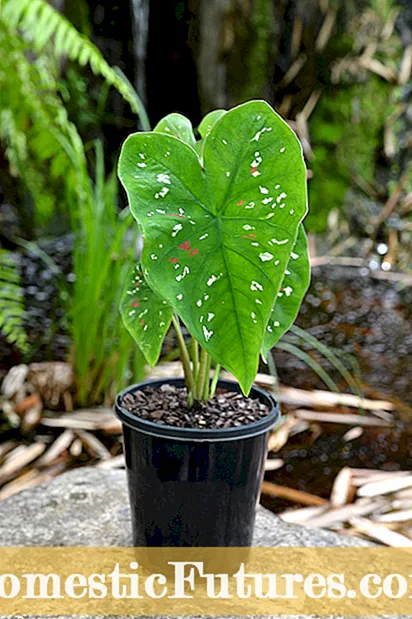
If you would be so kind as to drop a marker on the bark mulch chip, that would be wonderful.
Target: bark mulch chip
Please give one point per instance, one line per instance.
(167, 406)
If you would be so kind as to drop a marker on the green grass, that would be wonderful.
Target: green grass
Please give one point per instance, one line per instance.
(313, 353)
(105, 358)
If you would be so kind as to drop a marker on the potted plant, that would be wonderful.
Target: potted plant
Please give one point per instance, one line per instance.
(224, 252)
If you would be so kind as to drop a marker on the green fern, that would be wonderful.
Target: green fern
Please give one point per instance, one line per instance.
(12, 311)
(33, 128)
(42, 25)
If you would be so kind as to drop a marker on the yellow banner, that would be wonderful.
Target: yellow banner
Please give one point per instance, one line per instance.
(205, 581)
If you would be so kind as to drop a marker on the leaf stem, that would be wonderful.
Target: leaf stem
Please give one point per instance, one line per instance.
(195, 359)
(190, 383)
(206, 385)
(215, 380)
(204, 361)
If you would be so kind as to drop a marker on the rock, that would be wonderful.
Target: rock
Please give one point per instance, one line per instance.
(86, 506)
(90, 507)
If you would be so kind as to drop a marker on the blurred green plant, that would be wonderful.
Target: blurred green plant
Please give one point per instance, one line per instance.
(349, 124)
(104, 355)
(44, 29)
(54, 171)
(302, 344)
(347, 129)
(43, 147)
(11, 301)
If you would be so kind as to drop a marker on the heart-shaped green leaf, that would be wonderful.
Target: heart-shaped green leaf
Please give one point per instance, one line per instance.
(209, 122)
(145, 315)
(293, 289)
(206, 127)
(218, 238)
(177, 126)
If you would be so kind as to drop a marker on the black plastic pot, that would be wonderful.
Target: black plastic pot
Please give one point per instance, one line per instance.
(191, 487)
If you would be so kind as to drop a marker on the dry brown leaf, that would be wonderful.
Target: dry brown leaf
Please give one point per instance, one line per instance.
(326, 30)
(280, 436)
(311, 104)
(301, 515)
(406, 66)
(32, 417)
(299, 397)
(352, 434)
(342, 488)
(318, 397)
(296, 38)
(6, 447)
(302, 131)
(113, 463)
(112, 426)
(60, 445)
(93, 445)
(376, 472)
(375, 66)
(30, 480)
(100, 418)
(402, 504)
(342, 514)
(380, 533)
(76, 448)
(293, 70)
(273, 464)
(29, 402)
(21, 483)
(386, 486)
(343, 418)
(51, 379)
(172, 369)
(404, 494)
(19, 458)
(14, 380)
(359, 480)
(297, 496)
(399, 516)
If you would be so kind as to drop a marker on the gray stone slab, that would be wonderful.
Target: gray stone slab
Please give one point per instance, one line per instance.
(89, 507)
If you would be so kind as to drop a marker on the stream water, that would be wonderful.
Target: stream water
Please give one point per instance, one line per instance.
(354, 311)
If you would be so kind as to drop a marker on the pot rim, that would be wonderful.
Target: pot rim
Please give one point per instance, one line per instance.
(194, 434)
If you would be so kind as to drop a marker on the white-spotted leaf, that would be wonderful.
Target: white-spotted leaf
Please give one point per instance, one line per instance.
(290, 295)
(177, 126)
(206, 127)
(146, 316)
(209, 121)
(218, 235)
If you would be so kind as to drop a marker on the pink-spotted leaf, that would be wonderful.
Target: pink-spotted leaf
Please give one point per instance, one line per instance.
(145, 315)
(218, 235)
(290, 295)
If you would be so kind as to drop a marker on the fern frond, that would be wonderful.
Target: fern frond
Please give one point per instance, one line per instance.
(43, 147)
(12, 310)
(43, 25)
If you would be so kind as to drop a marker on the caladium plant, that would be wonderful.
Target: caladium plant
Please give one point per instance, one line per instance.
(224, 246)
